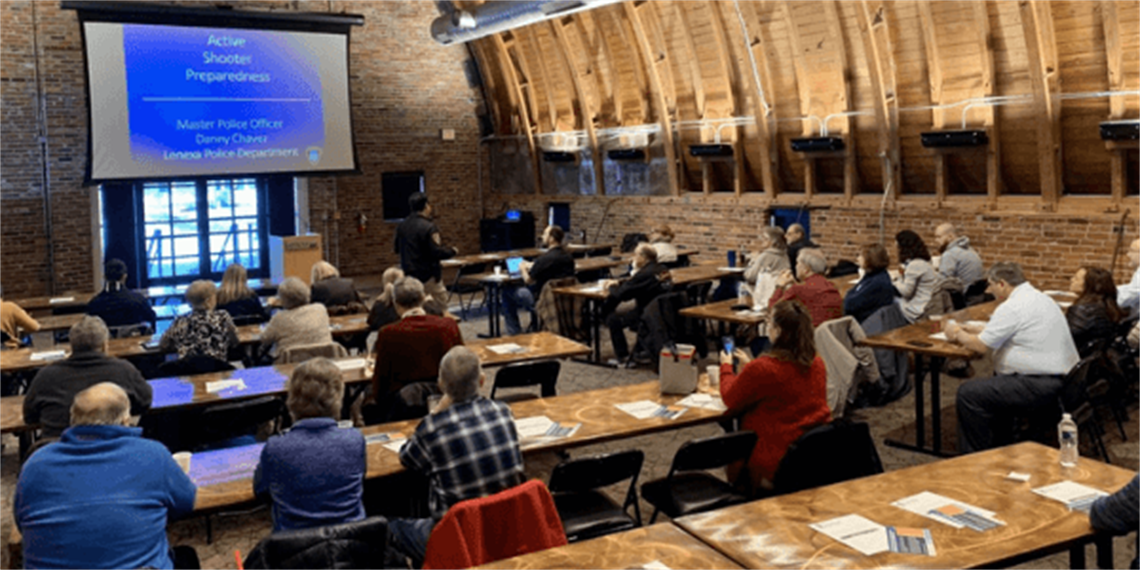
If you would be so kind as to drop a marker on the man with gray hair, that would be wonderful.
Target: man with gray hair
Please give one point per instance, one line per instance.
(1033, 351)
(467, 448)
(958, 259)
(101, 496)
(49, 397)
(819, 295)
(408, 353)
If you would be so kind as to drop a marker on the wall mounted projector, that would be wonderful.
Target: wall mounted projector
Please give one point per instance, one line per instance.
(818, 144)
(626, 154)
(1120, 130)
(710, 150)
(939, 139)
(558, 157)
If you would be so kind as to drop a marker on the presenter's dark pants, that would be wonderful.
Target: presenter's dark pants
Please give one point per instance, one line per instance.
(988, 406)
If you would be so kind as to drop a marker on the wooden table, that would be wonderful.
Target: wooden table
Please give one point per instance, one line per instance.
(664, 543)
(537, 346)
(230, 472)
(595, 295)
(73, 300)
(774, 533)
(723, 311)
(21, 359)
(187, 392)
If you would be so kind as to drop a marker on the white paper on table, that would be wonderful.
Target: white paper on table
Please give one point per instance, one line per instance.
(392, 440)
(925, 502)
(592, 289)
(220, 385)
(61, 300)
(939, 336)
(506, 348)
(350, 364)
(642, 409)
(534, 426)
(1070, 493)
(655, 565)
(48, 355)
(732, 269)
(1052, 293)
(395, 445)
(866, 536)
(706, 401)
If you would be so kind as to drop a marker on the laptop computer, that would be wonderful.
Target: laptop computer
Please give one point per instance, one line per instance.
(514, 268)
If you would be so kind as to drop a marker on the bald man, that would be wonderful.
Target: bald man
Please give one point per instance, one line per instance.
(1128, 296)
(101, 496)
(958, 260)
(797, 240)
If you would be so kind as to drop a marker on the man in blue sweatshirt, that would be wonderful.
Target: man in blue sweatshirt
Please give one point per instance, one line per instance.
(101, 496)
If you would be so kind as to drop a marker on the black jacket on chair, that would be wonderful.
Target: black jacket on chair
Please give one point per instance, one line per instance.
(359, 544)
(1089, 324)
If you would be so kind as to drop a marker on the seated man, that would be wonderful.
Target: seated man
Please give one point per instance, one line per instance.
(555, 263)
(13, 320)
(819, 295)
(1128, 296)
(644, 286)
(101, 496)
(49, 397)
(958, 258)
(117, 305)
(798, 240)
(408, 353)
(1033, 351)
(467, 448)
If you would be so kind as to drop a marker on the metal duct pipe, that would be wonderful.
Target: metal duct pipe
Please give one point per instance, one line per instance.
(497, 16)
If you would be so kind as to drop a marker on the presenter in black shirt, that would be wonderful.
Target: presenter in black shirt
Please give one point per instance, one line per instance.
(421, 249)
(555, 263)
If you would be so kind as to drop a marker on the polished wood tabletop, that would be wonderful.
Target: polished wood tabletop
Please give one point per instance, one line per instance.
(681, 276)
(580, 266)
(774, 533)
(22, 359)
(530, 252)
(916, 337)
(725, 311)
(535, 346)
(663, 543)
(186, 392)
(59, 322)
(227, 475)
(81, 298)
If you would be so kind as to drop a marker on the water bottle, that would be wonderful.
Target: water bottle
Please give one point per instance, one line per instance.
(1067, 435)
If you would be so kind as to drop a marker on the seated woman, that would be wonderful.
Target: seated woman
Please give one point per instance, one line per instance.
(662, 239)
(773, 256)
(314, 473)
(781, 394)
(916, 286)
(333, 291)
(236, 298)
(1093, 316)
(300, 323)
(874, 290)
(384, 307)
(204, 333)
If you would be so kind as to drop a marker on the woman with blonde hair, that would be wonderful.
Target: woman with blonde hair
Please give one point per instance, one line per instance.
(236, 298)
(332, 290)
(384, 308)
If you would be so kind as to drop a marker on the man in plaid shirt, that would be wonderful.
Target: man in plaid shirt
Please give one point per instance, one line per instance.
(467, 448)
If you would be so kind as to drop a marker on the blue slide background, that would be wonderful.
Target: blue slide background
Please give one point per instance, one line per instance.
(157, 59)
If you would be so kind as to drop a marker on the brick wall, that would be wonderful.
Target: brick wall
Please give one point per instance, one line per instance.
(405, 89)
(1049, 247)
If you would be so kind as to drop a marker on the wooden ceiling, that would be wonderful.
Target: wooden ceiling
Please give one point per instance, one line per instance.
(879, 72)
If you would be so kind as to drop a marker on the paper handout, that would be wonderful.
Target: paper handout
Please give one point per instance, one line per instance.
(948, 511)
(1075, 496)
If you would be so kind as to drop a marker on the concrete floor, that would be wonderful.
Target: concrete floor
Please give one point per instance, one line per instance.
(242, 532)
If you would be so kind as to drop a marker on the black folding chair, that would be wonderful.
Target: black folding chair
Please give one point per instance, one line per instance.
(585, 511)
(358, 544)
(543, 373)
(460, 287)
(687, 489)
(827, 454)
(236, 419)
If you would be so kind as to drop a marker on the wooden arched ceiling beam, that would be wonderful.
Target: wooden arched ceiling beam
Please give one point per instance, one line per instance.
(879, 50)
(803, 90)
(652, 22)
(850, 170)
(662, 109)
(989, 112)
(601, 66)
(723, 53)
(557, 28)
(631, 48)
(1041, 48)
(694, 67)
(488, 73)
(1114, 51)
(762, 86)
(517, 61)
(548, 87)
(934, 73)
(527, 125)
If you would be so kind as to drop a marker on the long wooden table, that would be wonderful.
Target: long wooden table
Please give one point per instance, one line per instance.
(774, 533)
(225, 477)
(74, 300)
(184, 392)
(664, 543)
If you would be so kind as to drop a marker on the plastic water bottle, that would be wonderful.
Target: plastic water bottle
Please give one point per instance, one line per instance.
(1067, 435)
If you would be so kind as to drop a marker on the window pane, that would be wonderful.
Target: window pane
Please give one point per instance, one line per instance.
(245, 202)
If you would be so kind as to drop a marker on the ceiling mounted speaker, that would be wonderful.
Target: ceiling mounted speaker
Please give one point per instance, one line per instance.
(818, 144)
(626, 154)
(1120, 130)
(558, 157)
(710, 150)
(941, 139)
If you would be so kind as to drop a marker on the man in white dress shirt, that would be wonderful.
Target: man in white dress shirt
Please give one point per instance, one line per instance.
(1128, 296)
(1033, 350)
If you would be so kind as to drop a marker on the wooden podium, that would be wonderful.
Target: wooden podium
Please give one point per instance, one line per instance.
(293, 256)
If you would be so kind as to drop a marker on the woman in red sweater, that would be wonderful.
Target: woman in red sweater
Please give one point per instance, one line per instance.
(780, 394)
